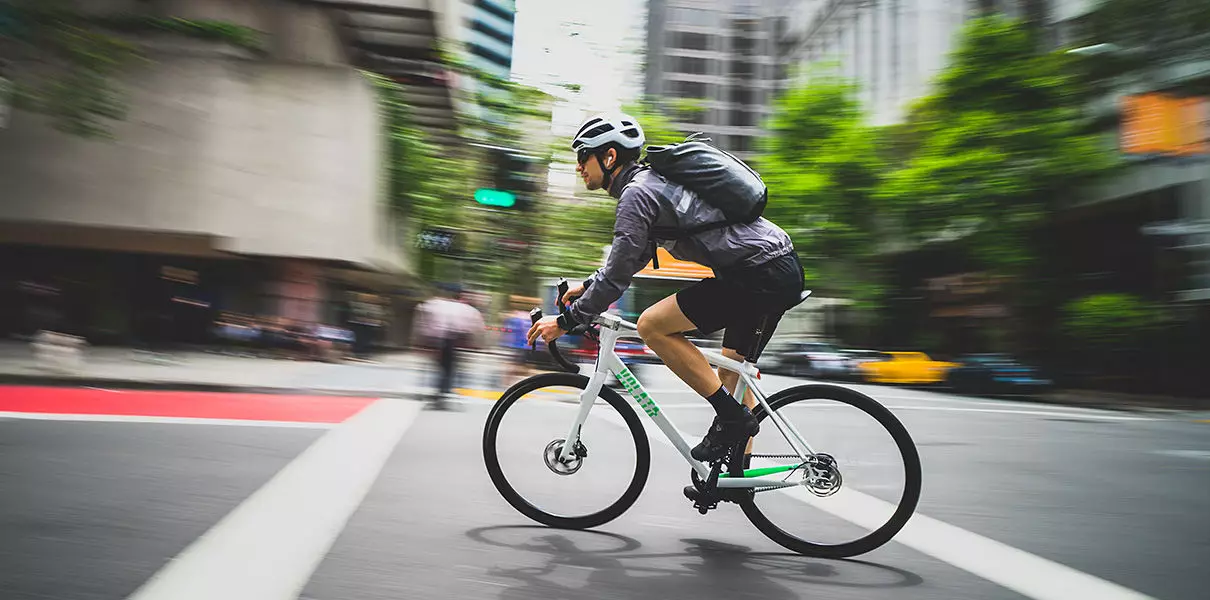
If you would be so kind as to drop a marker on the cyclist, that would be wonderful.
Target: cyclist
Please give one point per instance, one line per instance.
(757, 273)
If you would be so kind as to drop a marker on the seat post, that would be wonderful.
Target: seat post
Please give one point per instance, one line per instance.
(753, 352)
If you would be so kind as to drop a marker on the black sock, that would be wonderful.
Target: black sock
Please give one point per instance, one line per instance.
(724, 404)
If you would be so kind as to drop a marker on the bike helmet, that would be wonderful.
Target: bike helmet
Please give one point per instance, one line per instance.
(607, 128)
(602, 129)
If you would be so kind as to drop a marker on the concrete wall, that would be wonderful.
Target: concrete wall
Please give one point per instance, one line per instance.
(274, 157)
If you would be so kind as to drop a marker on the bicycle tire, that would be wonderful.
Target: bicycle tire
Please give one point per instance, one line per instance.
(903, 440)
(492, 460)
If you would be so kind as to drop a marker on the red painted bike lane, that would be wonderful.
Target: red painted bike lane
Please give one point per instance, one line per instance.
(176, 404)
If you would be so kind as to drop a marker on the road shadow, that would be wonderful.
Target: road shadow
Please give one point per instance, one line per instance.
(596, 564)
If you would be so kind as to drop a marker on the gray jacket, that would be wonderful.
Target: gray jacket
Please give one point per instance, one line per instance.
(647, 202)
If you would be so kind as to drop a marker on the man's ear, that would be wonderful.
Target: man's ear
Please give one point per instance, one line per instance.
(612, 157)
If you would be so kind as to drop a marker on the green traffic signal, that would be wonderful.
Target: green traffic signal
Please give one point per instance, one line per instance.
(492, 197)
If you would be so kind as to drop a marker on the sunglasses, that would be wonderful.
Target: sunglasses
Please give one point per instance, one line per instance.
(582, 155)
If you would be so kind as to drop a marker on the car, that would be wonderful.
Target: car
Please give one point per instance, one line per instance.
(804, 359)
(993, 373)
(854, 358)
(907, 368)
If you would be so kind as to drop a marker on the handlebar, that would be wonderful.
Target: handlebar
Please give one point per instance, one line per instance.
(553, 346)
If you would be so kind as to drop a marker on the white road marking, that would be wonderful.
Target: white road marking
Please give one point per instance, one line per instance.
(1194, 454)
(1006, 411)
(1027, 574)
(161, 420)
(268, 547)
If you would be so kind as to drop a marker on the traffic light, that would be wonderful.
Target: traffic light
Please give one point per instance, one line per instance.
(492, 197)
(514, 181)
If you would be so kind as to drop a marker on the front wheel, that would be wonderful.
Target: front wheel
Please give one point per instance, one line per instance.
(525, 432)
(860, 489)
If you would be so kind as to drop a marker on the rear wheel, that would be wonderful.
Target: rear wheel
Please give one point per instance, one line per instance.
(859, 491)
(523, 437)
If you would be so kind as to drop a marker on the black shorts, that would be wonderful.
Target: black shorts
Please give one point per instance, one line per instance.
(737, 301)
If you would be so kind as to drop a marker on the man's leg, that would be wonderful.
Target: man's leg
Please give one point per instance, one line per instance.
(662, 327)
(730, 380)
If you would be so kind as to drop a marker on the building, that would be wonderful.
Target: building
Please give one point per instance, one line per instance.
(892, 49)
(725, 54)
(240, 180)
(488, 34)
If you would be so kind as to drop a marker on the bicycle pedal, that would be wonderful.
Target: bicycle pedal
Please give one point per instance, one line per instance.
(702, 501)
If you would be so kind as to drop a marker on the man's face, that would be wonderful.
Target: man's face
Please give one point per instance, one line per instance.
(589, 168)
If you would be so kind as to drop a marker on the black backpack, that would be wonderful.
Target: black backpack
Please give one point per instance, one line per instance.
(717, 177)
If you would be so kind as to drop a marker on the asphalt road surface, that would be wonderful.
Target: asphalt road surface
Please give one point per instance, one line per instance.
(109, 494)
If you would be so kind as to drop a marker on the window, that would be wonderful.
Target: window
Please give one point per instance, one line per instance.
(743, 143)
(741, 95)
(689, 89)
(744, 118)
(743, 46)
(743, 69)
(488, 7)
(687, 64)
(690, 41)
(492, 32)
(691, 16)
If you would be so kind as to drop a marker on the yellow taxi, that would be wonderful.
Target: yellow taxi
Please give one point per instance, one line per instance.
(911, 368)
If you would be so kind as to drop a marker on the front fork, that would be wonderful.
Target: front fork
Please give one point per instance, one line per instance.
(587, 398)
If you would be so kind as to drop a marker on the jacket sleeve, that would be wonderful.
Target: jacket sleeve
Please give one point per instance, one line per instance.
(630, 252)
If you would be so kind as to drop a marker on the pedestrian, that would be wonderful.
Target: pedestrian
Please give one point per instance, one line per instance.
(444, 325)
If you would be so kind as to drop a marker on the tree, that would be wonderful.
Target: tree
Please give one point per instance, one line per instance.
(823, 166)
(999, 147)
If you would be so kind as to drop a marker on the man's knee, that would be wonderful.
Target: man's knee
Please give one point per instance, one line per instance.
(661, 319)
(648, 325)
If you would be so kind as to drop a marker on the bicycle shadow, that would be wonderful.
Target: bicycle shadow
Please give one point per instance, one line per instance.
(706, 568)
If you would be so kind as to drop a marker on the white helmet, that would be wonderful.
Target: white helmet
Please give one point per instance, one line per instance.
(604, 128)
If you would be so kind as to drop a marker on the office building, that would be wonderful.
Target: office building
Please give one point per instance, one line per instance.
(726, 55)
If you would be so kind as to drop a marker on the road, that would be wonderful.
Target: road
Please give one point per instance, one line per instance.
(109, 494)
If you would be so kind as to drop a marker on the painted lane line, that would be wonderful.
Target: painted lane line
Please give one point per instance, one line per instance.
(1027, 574)
(91, 418)
(1005, 411)
(269, 546)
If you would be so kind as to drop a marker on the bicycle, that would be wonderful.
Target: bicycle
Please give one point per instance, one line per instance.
(731, 479)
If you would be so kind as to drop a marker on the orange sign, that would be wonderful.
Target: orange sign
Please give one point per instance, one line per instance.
(1162, 124)
(673, 268)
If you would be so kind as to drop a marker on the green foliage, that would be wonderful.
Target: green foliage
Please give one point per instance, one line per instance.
(218, 31)
(1109, 320)
(823, 168)
(998, 147)
(1178, 32)
(422, 181)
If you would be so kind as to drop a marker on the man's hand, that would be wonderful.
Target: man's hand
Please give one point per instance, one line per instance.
(547, 327)
(572, 294)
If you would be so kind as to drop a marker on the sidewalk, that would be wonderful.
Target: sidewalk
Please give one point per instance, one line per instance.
(395, 374)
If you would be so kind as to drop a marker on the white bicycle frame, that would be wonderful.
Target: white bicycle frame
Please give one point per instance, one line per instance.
(612, 329)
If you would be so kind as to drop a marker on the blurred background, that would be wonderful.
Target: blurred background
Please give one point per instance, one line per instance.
(992, 196)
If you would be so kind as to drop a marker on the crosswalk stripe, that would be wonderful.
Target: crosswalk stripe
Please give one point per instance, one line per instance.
(268, 547)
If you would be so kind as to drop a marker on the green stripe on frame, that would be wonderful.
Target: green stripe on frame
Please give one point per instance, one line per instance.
(764, 471)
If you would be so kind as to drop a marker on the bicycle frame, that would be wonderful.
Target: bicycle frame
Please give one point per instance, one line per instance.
(612, 329)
